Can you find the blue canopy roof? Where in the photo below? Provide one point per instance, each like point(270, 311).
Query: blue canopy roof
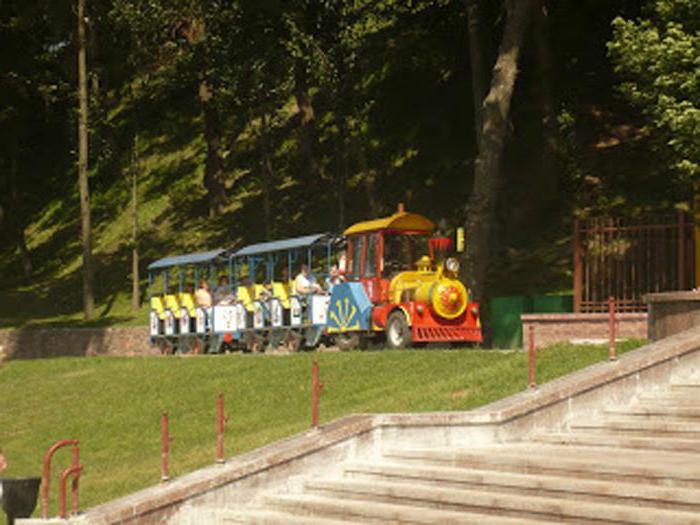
point(190, 258)
point(285, 244)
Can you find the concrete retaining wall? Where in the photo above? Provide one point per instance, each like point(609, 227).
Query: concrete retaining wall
point(672, 312)
point(562, 328)
point(61, 342)
point(241, 480)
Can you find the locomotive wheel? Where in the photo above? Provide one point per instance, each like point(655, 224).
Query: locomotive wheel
point(398, 334)
point(347, 342)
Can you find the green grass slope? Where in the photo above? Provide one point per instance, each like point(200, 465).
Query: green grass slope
point(113, 405)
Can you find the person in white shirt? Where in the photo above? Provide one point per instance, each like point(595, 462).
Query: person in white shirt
point(304, 284)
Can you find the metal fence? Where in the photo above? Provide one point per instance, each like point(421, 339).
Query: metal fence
point(627, 258)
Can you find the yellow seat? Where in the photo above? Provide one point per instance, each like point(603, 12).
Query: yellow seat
point(172, 305)
point(281, 291)
point(259, 291)
point(157, 306)
point(187, 301)
point(243, 295)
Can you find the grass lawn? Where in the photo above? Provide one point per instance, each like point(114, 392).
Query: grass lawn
point(113, 405)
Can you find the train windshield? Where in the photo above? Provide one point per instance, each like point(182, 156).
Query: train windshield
point(402, 251)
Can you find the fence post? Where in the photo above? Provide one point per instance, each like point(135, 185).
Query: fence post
point(612, 356)
point(220, 426)
point(165, 445)
point(578, 266)
point(531, 356)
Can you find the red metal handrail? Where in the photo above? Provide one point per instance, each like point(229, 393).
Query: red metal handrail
point(612, 356)
point(316, 388)
point(165, 447)
point(46, 474)
point(75, 472)
point(221, 420)
point(531, 357)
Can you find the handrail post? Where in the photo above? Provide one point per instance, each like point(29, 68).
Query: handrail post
point(612, 356)
point(165, 442)
point(74, 471)
point(316, 388)
point(221, 420)
point(46, 471)
point(531, 357)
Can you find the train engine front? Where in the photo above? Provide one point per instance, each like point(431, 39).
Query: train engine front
point(412, 288)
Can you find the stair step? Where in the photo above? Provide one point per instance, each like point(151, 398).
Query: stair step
point(685, 386)
point(501, 504)
point(668, 468)
point(600, 439)
point(377, 512)
point(640, 427)
point(552, 486)
point(672, 398)
point(266, 517)
point(666, 412)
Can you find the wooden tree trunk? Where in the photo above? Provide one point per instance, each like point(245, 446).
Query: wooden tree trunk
point(216, 191)
point(135, 289)
point(267, 177)
point(16, 219)
point(308, 142)
point(476, 61)
point(546, 102)
point(86, 227)
point(341, 180)
point(481, 207)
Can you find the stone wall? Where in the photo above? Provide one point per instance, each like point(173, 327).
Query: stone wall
point(62, 342)
point(578, 328)
point(672, 312)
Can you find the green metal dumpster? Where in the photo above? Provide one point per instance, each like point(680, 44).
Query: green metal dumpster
point(506, 327)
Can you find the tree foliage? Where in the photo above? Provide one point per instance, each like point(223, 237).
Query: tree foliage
point(658, 57)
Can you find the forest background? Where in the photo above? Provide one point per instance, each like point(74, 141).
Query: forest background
point(214, 123)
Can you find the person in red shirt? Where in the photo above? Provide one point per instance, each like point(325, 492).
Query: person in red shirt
point(3, 462)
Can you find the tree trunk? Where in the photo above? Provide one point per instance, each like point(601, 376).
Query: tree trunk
point(308, 142)
point(86, 228)
point(476, 61)
point(550, 132)
point(135, 289)
point(343, 172)
point(16, 220)
point(482, 202)
point(216, 191)
point(267, 177)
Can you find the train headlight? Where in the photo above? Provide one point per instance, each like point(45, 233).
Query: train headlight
point(452, 265)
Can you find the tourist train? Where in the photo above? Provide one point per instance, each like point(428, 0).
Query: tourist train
point(390, 280)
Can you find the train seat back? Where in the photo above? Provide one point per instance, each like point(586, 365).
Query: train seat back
point(173, 305)
point(244, 296)
point(157, 306)
point(187, 301)
point(281, 291)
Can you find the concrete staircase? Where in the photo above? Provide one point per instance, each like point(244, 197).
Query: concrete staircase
point(631, 464)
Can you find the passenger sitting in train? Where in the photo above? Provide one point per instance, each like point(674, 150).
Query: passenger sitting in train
point(304, 283)
point(202, 297)
point(334, 278)
point(223, 294)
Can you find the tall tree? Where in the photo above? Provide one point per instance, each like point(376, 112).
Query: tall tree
point(476, 62)
point(481, 207)
point(134, 171)
point(658, 59)
point(85, 225)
